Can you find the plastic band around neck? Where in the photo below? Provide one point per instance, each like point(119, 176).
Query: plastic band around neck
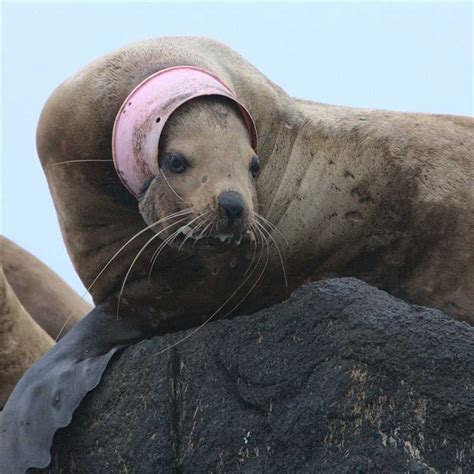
point(143, 115)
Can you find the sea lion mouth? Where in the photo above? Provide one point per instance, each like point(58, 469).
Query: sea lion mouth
point(236, 238)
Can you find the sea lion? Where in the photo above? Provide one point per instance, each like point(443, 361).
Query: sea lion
point(47, 298)
point(22, 340)
point(36, 308)
point(383, 196)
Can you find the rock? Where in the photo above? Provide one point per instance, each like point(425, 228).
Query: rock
point(340, 378)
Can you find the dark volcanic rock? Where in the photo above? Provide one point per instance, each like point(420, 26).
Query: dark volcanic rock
point(341, 378)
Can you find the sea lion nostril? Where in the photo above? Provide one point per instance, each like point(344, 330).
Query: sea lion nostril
point(232, 204)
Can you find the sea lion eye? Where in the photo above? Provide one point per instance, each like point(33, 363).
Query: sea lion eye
point(175, 162)
point(255, 166)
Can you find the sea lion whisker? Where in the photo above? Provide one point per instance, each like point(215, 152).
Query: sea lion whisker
point(204, 226)
point(162, 244)
point(187, 235)
point(270, 225)
point(77, 161)
point(160, 221)
point(153, 257)
point(188, 211)
point(198, 328)
point(175, 214)
point(171, 187)
point(157, 252)
point(160, 247)
point(263, 240)
point(255, 246)
point(192, 230)
point(253, 259)
point(261, 235)
point(130, 268)
point(279, 254)
point(169, 240)
point(137, 257)
point(175, 203)
point(201, 225)
point(213, 228)
point(198, 228)
point(254, 285)
point(259, 258)
point(273, 227)
point(209, 221)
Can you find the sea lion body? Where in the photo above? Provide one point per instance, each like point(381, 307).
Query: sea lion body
point(383, 196)
point(36, 307)
point(52, 303)
point(22, 340)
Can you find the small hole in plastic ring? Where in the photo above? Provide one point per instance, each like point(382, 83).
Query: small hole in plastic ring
point(158, 119)
point(129, 103)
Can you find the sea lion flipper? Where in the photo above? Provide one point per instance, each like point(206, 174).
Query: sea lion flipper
point(46, 397)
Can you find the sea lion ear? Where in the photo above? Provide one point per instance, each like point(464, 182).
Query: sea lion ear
point(46, 397)
point(143, 115)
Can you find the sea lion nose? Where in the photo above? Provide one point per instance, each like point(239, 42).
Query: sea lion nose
point(232, 204)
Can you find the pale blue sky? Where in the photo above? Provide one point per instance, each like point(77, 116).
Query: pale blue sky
point(400, 56)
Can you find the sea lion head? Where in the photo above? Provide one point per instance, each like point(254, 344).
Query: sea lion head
point(206, 178)
point(186, 148)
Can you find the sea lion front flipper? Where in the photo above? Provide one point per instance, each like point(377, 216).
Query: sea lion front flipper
point(46, 396)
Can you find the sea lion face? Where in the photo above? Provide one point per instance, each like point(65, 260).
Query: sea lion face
point(205, 188)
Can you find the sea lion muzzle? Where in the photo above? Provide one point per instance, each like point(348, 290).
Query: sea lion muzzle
point(231, 213)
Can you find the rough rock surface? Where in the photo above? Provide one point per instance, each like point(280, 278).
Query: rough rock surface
point(340, 378)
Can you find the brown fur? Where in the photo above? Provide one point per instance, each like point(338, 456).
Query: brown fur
point(383, 196)
point(22, 341)
point(35, 304)
point(45, 296)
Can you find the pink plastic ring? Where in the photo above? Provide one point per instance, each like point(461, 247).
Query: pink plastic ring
point(142, 116)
